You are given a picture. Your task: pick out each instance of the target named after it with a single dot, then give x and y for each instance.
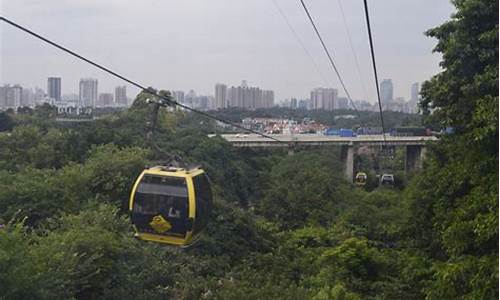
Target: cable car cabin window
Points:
(165, 196)
(203, 195)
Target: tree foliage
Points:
(283, 227)
(455, 200)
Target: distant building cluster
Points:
(242, 96)
(14, 96)
(391, 103)
(283, 126)
(323, 98)
(191, 99)
(327, 99)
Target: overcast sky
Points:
(193, 44)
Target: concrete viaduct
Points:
(415, 145)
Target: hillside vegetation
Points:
(282, 227)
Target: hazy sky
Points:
(193, 44)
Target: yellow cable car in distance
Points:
(360, 179)
(170, 205)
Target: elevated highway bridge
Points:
(257, 141)
(415, 145)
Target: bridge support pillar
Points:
(414, 156)
(347, 158)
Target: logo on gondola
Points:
(159, 224)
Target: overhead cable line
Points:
(169, 101)
(374, 69)
(329, 57)
(353, 49)
(297, 37)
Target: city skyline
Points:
(261, 50)
(412, 91)
(16, 95)
(242, 96)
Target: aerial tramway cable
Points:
(330, 58)
(353, 49)
(374, 69)
(298, 39)
(168, 204)
(165, 100)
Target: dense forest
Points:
(282, 227)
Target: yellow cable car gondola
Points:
(170, 205)
(360, 179)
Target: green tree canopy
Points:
(455, 200)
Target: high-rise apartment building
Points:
(14, 96)
(267, 99)
(386, 91)
(249, 97)
(88, 92)
(27, 97)
(414, 98)
(3, 96)
(10, 96)
(415, 89)
(323, 98)
(234, 96)
(121, 96)
(220, 96)
(54, 88)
